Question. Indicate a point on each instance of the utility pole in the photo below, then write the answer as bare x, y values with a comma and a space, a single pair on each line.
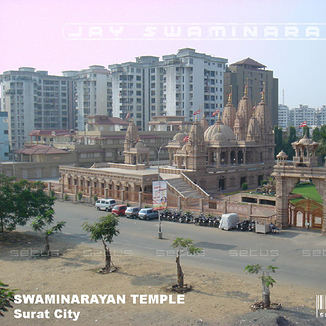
160, 233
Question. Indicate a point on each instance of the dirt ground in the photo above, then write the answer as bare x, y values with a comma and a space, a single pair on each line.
217, 297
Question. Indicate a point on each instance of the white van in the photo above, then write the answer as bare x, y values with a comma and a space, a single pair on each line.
229, 221
105, 204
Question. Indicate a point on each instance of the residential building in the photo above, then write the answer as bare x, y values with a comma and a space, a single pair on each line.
193, 81
178, 85
35, 100
303, 113
137, 90
321, 116
92, 93
283, 116
254, 74
4, 140
169, 123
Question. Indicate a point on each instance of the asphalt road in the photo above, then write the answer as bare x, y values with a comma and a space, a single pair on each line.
300, 255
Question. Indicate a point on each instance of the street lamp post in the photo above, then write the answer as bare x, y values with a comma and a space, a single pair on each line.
160, 233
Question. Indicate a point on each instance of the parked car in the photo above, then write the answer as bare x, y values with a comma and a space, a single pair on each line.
147, 214
132, 212
105, 204
119, 209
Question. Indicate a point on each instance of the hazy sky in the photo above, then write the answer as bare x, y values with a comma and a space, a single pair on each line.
37, 33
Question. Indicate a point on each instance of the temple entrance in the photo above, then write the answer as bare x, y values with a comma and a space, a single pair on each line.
305, 213
305, 206
302, 183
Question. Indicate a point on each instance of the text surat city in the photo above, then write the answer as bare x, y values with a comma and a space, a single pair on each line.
79, 299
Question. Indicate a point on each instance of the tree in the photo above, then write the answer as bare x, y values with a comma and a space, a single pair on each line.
21, 200
6, 298
266, 280
42, 224
278, 136
104, 230
183, 246
306, 131
292, 137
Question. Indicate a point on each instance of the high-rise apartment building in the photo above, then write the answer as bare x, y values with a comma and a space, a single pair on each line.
137, 90
283, 116
253, 73
35, 100
178, 85
4, 140
304, 114
92, 90
193, 81
321, 116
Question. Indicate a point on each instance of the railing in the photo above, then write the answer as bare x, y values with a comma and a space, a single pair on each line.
175, 189
194, 185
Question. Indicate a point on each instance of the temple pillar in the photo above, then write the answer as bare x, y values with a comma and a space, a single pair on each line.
218, 158
140, 199
90, 192
106, 192
282, 203
179, 203
76, 192
225, 206
49, 188
201, 205
62, 189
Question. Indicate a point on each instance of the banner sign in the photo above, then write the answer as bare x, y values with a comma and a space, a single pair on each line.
160, 194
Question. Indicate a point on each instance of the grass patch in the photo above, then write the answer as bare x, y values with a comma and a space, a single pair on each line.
307, 191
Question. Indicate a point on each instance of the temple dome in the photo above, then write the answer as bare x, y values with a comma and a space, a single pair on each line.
219, 132
282, 155
305, 141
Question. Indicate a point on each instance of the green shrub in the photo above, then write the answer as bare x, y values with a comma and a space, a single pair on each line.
95, 198
244, 186
79, 196
66, 197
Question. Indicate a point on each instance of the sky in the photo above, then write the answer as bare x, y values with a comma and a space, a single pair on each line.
59, 35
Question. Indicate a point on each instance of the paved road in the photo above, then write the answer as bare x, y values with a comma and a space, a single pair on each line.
300, 255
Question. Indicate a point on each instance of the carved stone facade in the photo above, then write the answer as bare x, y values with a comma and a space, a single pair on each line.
237, 149
135, 151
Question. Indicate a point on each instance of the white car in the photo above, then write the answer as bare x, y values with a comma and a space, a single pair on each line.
105, 204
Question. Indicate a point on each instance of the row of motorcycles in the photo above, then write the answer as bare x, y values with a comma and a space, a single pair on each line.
202, 220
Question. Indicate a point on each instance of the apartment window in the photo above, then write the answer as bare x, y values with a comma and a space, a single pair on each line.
5, 132
138, 85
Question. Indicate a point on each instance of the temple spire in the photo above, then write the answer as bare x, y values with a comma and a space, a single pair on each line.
263, 93
245, 94
230, 96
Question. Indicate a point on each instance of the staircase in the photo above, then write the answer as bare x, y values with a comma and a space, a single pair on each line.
183, 188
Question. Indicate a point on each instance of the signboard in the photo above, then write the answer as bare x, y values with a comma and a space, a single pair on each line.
160, 194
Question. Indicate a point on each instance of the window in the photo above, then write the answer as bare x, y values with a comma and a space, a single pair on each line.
5, 132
